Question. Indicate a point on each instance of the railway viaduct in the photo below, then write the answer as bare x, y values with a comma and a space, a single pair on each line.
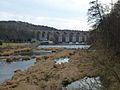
62, 36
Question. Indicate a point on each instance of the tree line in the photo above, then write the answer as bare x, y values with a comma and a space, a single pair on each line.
17, 31
106, 26
105, 38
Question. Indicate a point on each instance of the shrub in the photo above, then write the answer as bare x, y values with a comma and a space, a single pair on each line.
0, 42
66, 81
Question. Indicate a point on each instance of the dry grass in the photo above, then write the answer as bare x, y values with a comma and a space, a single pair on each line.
13, 48
9, 45
59, 53
109, 68
46, 75
12, 51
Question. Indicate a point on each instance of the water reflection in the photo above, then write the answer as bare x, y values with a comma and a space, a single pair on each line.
41, 52
7, 69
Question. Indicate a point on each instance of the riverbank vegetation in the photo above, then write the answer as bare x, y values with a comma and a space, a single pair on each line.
7, 49
15, 51
105, 39
102, 59
13, 45
1, 43
47, 75
18, 31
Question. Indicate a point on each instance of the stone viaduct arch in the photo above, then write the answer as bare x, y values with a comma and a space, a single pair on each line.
62, 36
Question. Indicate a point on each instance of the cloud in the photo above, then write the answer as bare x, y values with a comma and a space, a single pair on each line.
61, 14
60, 23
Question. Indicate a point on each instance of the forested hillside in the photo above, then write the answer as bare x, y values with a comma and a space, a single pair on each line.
18, 31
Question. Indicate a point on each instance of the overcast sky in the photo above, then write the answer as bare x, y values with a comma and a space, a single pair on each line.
61, 14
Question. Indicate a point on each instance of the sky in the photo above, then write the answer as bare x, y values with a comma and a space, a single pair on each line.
60, 14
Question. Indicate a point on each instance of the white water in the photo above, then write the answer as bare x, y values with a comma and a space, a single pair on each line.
85, 84
61, 60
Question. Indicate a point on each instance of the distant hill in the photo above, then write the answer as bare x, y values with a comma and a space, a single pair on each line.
19, 31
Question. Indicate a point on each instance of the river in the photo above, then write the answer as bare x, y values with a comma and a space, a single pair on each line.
65, 46
7, 69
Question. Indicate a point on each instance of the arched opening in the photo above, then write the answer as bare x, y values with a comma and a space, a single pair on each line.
64, 37
56, 37
43, 34
70, 37
77, 37
85, 37
49, 34
38, 35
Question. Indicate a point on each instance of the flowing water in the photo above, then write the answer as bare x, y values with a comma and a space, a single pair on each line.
65, 46
87, 83
41, 52
7, 69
